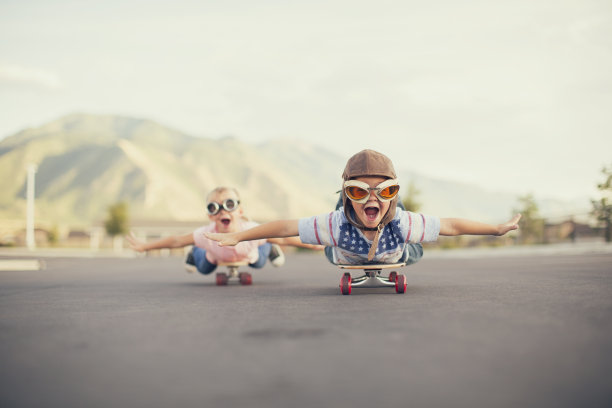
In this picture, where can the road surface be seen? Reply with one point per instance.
(515, 331)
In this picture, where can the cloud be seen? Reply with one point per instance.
(15, 76)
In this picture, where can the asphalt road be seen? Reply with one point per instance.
(487, 332)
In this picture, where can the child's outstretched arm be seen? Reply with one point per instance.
(274, 229)
(175, 241)
(459, 226)
(296, 242)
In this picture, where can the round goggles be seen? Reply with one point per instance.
(228, 205)
(359, 192)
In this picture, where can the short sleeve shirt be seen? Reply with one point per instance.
(244, 251)
(350, 244)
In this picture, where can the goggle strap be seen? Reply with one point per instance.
(372, 251)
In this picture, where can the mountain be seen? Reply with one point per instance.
(88, 162)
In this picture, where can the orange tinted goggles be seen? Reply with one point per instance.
(359, 192)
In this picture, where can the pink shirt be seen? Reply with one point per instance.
(244, 251)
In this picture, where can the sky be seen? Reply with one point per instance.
(513, 96)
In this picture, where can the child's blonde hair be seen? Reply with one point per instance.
(222, 189)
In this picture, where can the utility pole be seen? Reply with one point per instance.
(30, 241)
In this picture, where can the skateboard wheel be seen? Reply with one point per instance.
(245, 278)
(345, 284)
(221, 279)
(393, 276)
(400, 283)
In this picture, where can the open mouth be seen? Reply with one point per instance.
(371, 213)
(226, 221)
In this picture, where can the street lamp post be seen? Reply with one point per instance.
(30, 241)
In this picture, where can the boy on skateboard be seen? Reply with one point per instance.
(369, 227)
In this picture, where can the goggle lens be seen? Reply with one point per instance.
(389, 192)
(228, 205)
(356, 193)
(213, 208)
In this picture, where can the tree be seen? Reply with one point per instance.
(531, 225)
(602, 208)
(410, 199)
(117, 221)
(53, 235)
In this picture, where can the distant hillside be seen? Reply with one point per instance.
(88, 162)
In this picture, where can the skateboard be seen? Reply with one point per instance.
(222, 278)
(372, 278)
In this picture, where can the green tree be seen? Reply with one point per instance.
(116, 222)
(531, 225)
(602, 208)
(53, 235)
(410, 198)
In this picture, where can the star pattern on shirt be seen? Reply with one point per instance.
(390, 238)
(352, 241)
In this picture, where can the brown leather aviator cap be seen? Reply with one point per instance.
(368, 163)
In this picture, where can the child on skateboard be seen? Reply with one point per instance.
(226, 216)
(369, 227)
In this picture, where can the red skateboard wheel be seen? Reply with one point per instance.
(400, 283)
(245, 278)
(221, 279)
(345, 284)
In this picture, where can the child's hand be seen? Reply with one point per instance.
(224, 239)
(134, 243)
(509, 226)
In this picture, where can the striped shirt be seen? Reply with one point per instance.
(350, 244)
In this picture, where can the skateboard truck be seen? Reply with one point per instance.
(222, 278)
(372, 278)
